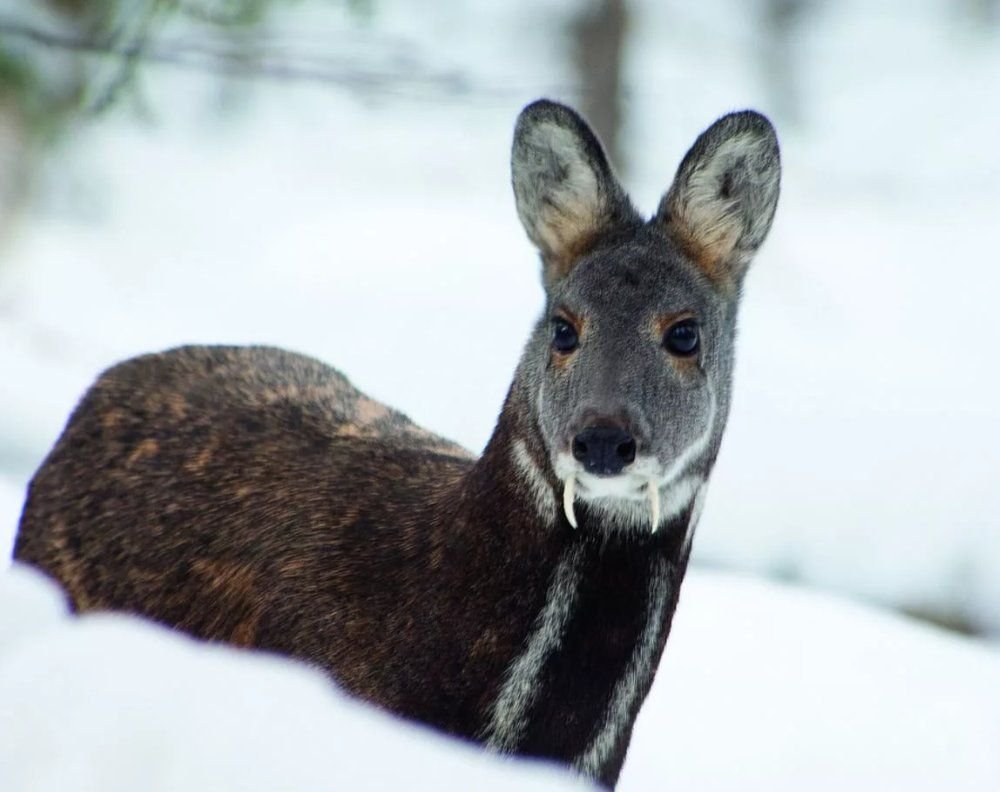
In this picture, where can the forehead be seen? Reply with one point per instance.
(643, 273)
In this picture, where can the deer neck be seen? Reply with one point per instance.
(589, 611)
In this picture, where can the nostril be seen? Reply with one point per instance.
(604, 450)
(626, 451)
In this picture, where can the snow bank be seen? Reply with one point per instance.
(110, 703)
(762, 687)
(771, 687)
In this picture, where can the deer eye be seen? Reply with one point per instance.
(681, 339)
(564, 337)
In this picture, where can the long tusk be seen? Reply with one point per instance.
(653, 491)
(568, 490)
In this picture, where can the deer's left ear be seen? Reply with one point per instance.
(567, 195)
(720, 206)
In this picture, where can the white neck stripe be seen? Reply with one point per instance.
(541, 492)
(510, 710)
(637, 673)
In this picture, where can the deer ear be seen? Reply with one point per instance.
(720, 206)
(565, 190)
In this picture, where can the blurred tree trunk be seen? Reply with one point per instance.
(780, 22)
(598, 35)
(983, 15)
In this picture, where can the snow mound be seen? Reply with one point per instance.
(109, 702)
(762, 686)
(765, 686)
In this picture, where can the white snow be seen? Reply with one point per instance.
(11, 499)
(109, 703)
(762, 687)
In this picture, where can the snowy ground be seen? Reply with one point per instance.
(108, 703)
(762, 687)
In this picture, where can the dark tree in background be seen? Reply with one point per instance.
(983, 15)
(599, 35)
(780, 22)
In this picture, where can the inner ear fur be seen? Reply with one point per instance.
(566, 193)
(721, 204)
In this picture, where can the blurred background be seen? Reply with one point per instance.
(332, 176)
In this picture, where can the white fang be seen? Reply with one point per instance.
(568, 495)
(653, 490)
(629, 688)
(510, 710)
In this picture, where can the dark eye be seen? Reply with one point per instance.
(681, 339)
(564, 338)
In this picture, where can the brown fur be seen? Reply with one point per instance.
(224, 525)
(711, 260)
(578, 239)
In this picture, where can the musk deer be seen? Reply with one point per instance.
(522, 599)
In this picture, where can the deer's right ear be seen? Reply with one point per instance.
(565, 190)
(723, 198)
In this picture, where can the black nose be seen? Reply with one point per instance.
(604, 450)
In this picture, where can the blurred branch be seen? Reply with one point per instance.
(231, 60)
(125, 72)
